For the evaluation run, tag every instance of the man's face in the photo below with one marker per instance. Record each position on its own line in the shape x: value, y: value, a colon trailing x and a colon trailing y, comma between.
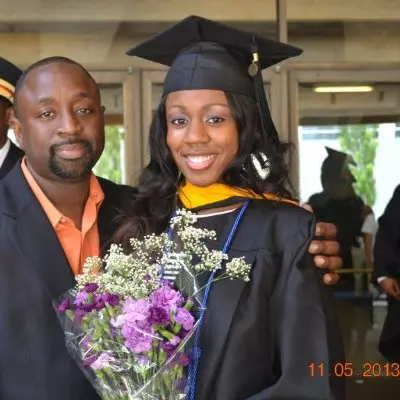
x: 4, y: 120
x: 60, y: 122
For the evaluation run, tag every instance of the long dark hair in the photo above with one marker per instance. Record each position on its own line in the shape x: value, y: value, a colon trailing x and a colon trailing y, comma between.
x: 159, y: 181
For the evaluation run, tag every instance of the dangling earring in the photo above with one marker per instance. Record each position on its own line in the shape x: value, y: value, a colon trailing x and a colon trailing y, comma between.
x: 264, y: 170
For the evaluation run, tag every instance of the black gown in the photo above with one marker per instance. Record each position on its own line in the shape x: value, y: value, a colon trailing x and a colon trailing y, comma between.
x: 259, y: 338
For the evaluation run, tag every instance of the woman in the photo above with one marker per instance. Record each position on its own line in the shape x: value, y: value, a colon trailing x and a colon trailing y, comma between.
x: 212, y: 142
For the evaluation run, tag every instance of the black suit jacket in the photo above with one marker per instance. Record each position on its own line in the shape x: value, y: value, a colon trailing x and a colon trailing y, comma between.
x: 14, y: 154
x: 387, y: 263
x: 34, y: 362
x: 387, y: 241
x: 259, y: 338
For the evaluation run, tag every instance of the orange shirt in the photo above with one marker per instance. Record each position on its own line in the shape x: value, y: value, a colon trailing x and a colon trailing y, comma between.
x: 77, y: 244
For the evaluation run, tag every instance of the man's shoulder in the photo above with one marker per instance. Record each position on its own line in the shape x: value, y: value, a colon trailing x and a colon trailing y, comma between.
x: 393, y: 207
x: 117, y: 195
x: 396, y: 193
x: 111, y: 188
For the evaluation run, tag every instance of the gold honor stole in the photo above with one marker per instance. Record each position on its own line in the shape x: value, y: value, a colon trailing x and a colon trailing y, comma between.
x: 195, y: 196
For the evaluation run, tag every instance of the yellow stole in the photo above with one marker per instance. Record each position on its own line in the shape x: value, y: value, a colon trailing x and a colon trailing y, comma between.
x: 194, y: 196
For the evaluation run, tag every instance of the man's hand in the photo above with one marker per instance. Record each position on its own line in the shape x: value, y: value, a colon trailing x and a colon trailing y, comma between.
x: 391, y: 287
x: 326, y: 251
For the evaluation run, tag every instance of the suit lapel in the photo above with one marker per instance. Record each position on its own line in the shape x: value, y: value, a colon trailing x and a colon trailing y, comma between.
x: 12, y: 157
x: 104, y: 224
x: 106, y: 219
x: 33, y: 235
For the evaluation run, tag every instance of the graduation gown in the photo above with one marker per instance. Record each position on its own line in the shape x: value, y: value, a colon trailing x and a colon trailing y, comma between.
x: 34, y: 361
x: 259, y: 338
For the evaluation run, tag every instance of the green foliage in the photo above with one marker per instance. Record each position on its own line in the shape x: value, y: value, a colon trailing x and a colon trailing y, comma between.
x: 361, y: 142
x: 109, y: 165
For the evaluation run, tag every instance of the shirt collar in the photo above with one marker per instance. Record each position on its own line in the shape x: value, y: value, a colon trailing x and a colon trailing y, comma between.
x: 96, y: 195
x: 4, y: 151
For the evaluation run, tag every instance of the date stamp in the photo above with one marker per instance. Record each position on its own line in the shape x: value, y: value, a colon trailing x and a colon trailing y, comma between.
x: 349, y: 369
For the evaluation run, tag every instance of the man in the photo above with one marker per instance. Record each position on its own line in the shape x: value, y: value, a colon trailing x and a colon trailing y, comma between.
x: 9, y: 153
x: 387, y: 275
x: 53, y: 214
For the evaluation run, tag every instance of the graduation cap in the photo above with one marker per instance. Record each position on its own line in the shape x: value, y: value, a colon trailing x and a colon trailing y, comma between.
x: 204, y: 54
x: 9, y: 75
x: 336, y: 166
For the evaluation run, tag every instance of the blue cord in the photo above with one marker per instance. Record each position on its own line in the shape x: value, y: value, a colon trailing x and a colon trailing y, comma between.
x: 196, y: 351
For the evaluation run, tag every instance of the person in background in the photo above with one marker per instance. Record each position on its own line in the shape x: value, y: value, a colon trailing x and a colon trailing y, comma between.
x: 369, y: 229
x: 9, y: 152
x: 339, y: 205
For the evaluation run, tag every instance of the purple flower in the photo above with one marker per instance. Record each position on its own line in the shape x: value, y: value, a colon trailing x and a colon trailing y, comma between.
x: 86, y: 343
x: 138, y: 336
x: 78, y: 316
x: 183, y: 333
x: 133, y: 311
x: 88, y: 361
x: 64, y: 306
x: 102, y: 361
x: 174, y: 341
x: 184, y: 318
x: 136, y: 328
x: 87, y: 307
x: 167, y: 298
x: 111, y: 299
x: 168, y: 347
x: 137, y: 309
x: 91, y: 287
x: 81, y: 298
x: 158, y: 315
x: 99, y: 302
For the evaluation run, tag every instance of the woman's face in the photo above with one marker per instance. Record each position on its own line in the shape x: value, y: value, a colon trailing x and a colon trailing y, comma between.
x: 201, y: 134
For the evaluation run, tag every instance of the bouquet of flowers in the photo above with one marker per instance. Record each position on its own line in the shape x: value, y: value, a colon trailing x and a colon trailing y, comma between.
x: 128, y: 327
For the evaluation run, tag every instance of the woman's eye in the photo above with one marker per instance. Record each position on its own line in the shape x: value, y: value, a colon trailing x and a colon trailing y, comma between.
x: 178, y: 121
x: 215, y: 120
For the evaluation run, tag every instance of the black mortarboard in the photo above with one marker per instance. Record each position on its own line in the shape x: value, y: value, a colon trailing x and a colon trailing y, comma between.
x: 9, y: 75
x: 204, y: 54
x: 335, y: 167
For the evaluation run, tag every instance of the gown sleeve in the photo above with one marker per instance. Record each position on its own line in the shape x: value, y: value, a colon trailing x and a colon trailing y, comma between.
x: 306, y: 335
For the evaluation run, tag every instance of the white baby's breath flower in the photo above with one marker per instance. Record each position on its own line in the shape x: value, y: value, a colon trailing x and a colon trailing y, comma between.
x: 138, y: 274
x: 238, y: 268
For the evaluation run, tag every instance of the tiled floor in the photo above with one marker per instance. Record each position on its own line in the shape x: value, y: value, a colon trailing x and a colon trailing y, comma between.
x: 361, y: 335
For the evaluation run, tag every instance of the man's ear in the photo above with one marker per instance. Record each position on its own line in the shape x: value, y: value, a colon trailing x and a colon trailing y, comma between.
x: 15, y: 125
